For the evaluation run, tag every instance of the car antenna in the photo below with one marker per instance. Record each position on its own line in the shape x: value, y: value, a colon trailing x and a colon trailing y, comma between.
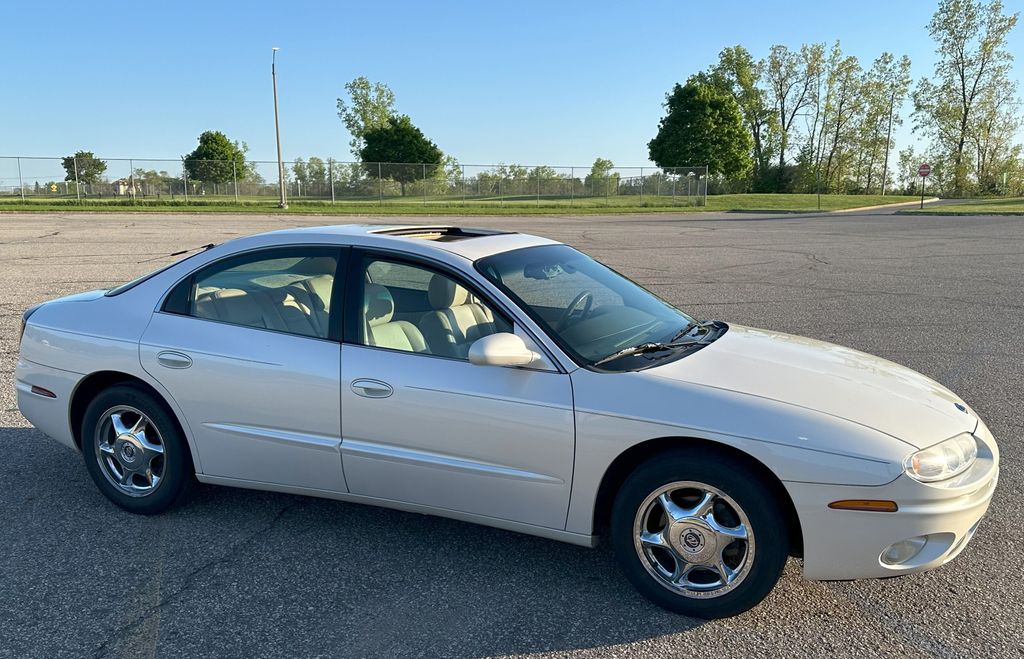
x: 180, y: 252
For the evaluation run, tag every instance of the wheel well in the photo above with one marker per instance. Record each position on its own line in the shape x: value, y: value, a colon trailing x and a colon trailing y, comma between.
x: 93, y: 384
x: 630, y: 459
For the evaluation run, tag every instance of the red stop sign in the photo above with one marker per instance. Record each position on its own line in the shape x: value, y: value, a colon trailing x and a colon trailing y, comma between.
x: 924, y: 170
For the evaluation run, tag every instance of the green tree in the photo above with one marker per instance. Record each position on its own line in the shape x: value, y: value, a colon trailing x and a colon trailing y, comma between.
x: 370, y: 107
x: 843, y: 144
x: 349, y: 178
x: 601, y: 168
x: 905, y: 175
x: 895, y: 81
x: 300, y: 172
x: 1013, y: 173
x: 702, y: 126
x: 738, y: 74
x: 217, y: 159
x: 154, y: 182
x: 601, y: 180
x: 883, y: 91
x: 545, y: 180
x: 973, y: 64
x: 514, y: 172
x: 543, y: 173
x: 316, y: 170
x: 516, y: 177
x: 89, y: 167
x: 993, y: 130
x: 394, y: 147
x: 311, y: 175
x: 791, y: 79
x: 843, y: 105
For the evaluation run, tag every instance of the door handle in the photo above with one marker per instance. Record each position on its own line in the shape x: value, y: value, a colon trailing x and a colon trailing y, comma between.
x: 172, y: 359
x: 368, y: 388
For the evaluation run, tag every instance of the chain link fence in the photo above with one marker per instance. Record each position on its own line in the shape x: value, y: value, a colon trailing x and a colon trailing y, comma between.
x: 325, y: 180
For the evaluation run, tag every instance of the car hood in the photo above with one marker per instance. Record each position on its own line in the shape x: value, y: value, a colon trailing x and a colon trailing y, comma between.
x: 827, y: 378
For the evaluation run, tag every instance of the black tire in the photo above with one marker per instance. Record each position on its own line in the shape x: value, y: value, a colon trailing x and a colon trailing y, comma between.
x: 177, y: 473
x: 768, y: 529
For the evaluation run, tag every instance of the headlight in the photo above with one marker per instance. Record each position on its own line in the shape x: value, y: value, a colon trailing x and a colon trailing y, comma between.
x: 944, y: 460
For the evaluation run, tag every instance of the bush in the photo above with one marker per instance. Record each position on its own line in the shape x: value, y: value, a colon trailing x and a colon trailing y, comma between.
x: 772, y: 180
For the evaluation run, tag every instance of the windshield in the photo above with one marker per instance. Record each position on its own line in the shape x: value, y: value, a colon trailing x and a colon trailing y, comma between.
x: 588, y: 308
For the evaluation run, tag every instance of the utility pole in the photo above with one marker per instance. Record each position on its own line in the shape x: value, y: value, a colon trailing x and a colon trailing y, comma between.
x: 277, y: 130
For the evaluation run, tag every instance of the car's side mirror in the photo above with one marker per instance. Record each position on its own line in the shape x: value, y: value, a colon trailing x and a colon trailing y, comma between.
x: 501, y: 349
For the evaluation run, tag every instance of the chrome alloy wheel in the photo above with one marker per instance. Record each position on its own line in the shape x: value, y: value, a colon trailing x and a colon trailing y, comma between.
x: 694, y: 539
x: 130, y: 451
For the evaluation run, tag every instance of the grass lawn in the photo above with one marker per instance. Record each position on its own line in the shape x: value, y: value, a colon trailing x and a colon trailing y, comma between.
x: 1008, y: 206
x: 546, y: 205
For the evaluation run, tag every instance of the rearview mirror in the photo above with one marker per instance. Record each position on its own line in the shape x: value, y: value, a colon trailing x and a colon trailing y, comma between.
x: 542, y: 271
x: 501, y: 349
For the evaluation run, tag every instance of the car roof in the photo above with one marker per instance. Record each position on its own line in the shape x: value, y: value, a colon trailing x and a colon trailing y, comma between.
x: 467, y: 242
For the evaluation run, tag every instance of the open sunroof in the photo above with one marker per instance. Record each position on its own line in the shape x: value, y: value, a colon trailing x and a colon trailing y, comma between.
x: 440, y: 234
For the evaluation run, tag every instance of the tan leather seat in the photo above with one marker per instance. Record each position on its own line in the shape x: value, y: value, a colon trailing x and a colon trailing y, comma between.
x: 314, y: 293
x: 456, y: 321
x: 381, y: 330
x: 291, y: 309
x: 232, y: 305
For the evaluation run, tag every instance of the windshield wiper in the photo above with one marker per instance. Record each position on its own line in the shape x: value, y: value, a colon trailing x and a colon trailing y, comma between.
x: 646, y: 347
x: 701, y: 324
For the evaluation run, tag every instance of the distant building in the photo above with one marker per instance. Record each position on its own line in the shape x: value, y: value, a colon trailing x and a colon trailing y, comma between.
x: 123, y: 186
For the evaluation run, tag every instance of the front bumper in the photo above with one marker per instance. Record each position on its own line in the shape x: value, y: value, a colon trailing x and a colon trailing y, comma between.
x: 848, y: 544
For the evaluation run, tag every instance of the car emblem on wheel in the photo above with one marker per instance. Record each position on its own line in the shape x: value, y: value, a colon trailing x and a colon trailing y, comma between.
x: 693, y: 541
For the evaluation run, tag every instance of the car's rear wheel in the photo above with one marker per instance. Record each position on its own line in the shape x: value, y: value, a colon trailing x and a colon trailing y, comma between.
x: 699, y: 534
x: 135, y: 452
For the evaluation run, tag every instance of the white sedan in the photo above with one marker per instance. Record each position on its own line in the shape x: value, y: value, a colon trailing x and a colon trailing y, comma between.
x: 509, y: 380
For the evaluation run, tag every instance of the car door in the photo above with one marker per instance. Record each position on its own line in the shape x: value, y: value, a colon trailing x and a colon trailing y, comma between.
x: 423, y: 425
x: 249, y: 349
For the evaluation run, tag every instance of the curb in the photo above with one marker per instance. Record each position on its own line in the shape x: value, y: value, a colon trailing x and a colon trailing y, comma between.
x: 902, y: 204
x: 938, y: 211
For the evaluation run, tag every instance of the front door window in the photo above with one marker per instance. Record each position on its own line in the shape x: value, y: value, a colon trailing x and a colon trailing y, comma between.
x: 414, y: 308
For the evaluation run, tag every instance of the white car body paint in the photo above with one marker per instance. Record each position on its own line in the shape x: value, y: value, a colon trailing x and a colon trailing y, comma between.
x: 261, y: 405
x: 524, y: 449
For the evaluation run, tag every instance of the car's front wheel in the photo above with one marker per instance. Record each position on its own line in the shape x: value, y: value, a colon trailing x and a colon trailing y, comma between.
x: 699, y: 534
x: 135, y: 452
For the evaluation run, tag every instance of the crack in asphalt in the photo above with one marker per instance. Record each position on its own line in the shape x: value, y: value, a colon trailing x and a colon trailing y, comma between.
x: 30, y: 239
x: 190, y: 580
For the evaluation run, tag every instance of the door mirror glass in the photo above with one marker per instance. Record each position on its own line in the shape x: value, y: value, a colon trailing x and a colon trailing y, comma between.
x: 501, y: 349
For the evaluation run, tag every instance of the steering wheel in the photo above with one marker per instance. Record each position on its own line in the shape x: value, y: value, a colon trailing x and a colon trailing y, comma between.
x: 573, y: 312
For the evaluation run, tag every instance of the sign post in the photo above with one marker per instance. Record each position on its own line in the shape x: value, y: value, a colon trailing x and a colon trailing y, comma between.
x: 924, y: 171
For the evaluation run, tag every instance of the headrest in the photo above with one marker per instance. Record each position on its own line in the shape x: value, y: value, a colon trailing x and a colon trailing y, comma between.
x: 321, y: 286
x: 378, y: 305
x: 444, y: 293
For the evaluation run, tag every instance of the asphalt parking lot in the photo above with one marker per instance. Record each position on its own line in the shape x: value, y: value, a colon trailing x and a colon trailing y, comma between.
x: 243, y: 573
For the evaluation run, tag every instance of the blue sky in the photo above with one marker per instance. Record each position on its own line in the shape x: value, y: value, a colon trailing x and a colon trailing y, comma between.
x: 529, y: 82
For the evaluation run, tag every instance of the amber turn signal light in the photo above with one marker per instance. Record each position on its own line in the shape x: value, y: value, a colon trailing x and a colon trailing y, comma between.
x: 870, y: 505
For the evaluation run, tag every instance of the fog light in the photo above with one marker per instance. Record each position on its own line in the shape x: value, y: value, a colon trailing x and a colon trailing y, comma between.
x: 904, y: 550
